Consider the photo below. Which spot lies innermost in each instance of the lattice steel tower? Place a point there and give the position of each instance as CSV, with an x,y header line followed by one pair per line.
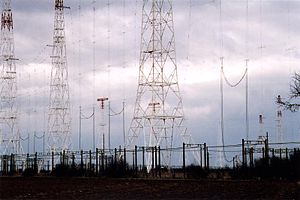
x,y
158,114
59,135
10,136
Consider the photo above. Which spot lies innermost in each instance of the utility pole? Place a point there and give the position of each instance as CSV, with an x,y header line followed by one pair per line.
x,y
59,120
79,132
44,143
109,125
124,134
34,136
94,145
28,143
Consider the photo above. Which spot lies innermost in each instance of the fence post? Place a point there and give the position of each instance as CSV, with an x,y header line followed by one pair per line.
x,y
102,162
11,167
60,158
207,158
152,164
90,161
280,152
183,159
115,161
81,161
52,160
97,162
251,157
5,164
63,157
135,161
159,164
267,148
106,161
143,158
205,163
27,161
73,160
243,152
1,165
201,156
125,165
35,163
155,160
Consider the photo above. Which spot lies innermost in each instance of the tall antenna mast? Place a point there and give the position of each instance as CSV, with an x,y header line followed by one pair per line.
x,y
158,109
59,135
279,123
10,136
247,73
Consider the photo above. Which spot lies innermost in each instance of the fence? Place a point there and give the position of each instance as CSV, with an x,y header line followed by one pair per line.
x,y
143,161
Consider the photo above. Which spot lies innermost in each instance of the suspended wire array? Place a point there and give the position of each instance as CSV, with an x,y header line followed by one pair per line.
x,y
83,116
87,117
32,111
41,58
35,136
227,80
116,113
233,85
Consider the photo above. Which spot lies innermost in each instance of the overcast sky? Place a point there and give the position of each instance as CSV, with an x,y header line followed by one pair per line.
x,y
271,44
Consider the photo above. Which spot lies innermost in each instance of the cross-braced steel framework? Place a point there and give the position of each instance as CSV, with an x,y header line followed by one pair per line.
x,y
158,114
10,136
59,134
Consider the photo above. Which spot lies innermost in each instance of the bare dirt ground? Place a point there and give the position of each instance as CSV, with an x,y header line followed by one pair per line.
x,y
98,188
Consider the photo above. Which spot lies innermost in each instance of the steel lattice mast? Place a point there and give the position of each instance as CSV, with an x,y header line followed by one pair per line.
x,y
59,135
158,112
10,136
